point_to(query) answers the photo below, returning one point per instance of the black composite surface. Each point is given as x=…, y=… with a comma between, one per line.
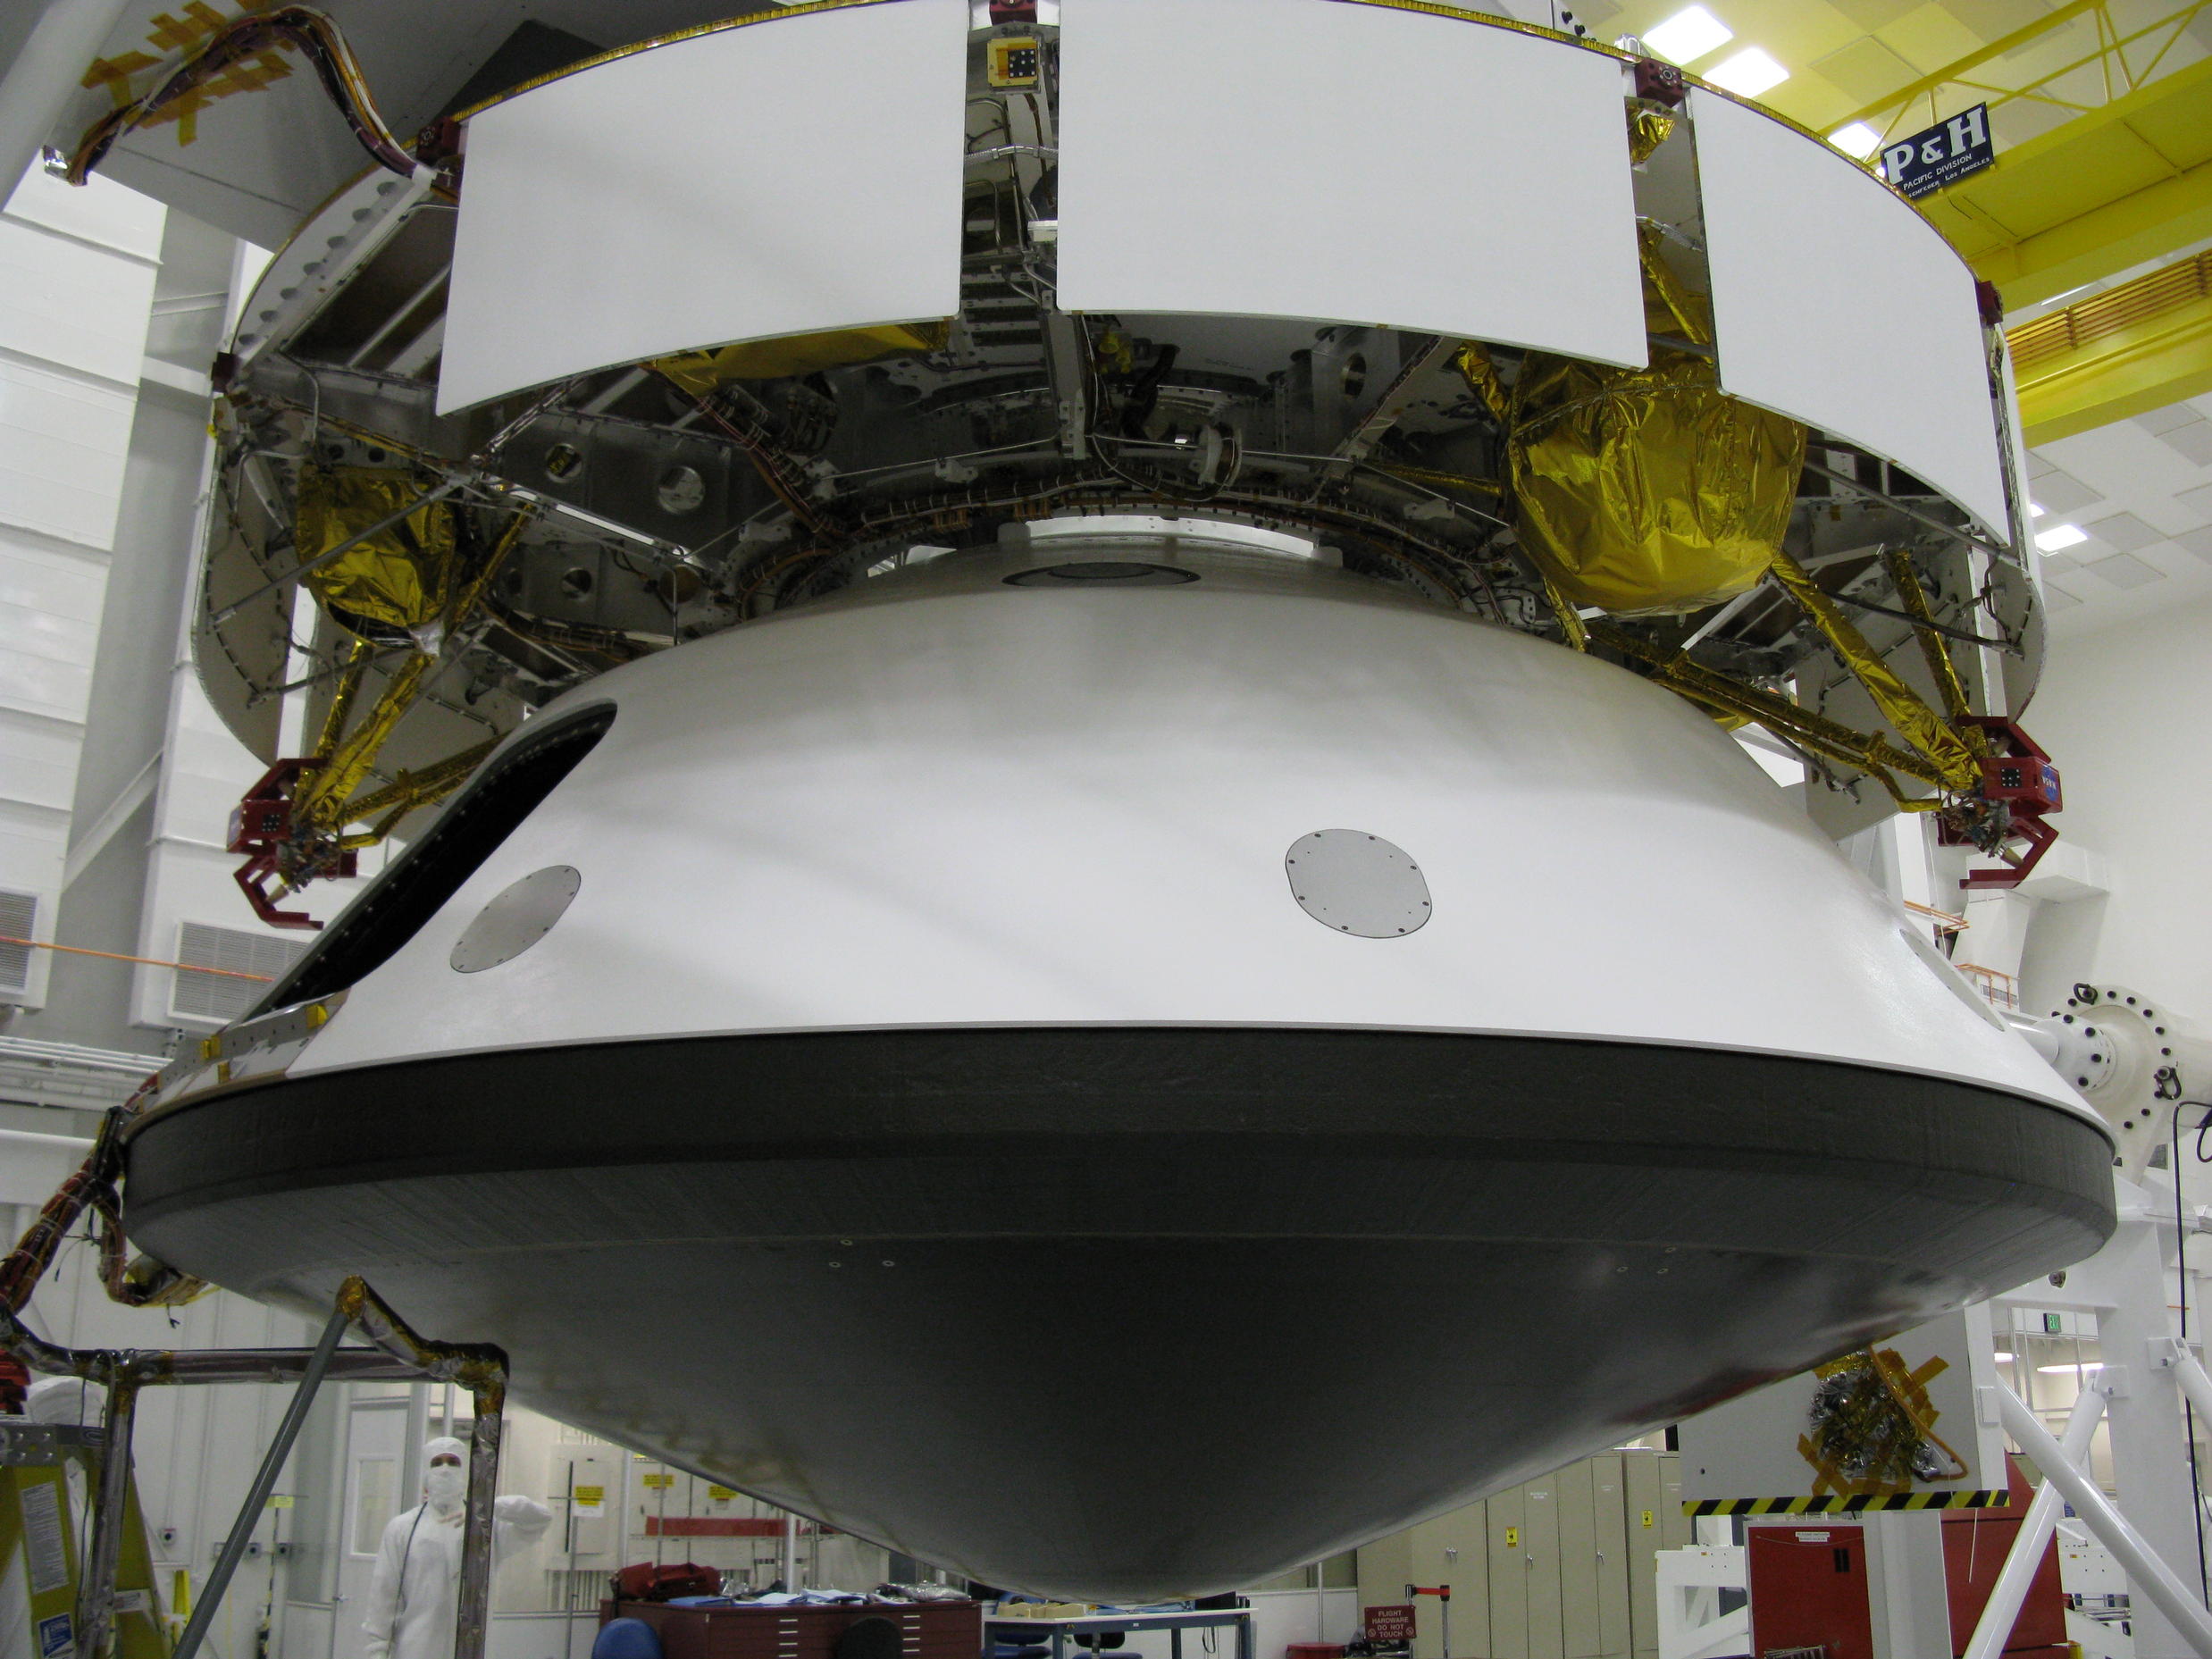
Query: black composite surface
x=1118, y=1311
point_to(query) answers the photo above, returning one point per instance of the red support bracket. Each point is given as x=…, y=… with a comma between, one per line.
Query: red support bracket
x=277, y=850
x=2019, y=788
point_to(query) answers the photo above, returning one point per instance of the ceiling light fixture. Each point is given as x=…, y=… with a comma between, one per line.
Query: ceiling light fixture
x=2035, y=509
x=1690, y=33
x=1748, y=74
x=2061, y=536
x=2061, y=1370
x=1857, y=139
x=2003, y=1358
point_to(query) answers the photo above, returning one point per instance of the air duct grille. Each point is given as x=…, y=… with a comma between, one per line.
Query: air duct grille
x=221, y=995
x=19, y=916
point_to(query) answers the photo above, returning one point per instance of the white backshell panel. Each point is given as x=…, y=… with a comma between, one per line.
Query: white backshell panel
x=1835, y=303
x=787, y=177
x=939, y=799
x=1308, y=158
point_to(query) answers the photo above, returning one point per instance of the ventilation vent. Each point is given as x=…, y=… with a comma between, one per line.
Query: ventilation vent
x=18, y=916
x=222, y=994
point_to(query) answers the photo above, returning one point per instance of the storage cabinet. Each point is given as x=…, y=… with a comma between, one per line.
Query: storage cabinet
x=1559, y=1567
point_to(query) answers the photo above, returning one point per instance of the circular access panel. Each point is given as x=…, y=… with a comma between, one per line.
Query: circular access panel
x=1356, y=883
x=520, y=916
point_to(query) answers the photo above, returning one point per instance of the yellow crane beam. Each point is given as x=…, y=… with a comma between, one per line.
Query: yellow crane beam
x=2112, y=187
x=2124, y=352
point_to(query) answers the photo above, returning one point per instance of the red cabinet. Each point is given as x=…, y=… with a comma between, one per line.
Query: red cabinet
x=927, y=1629
x=1808, y=1589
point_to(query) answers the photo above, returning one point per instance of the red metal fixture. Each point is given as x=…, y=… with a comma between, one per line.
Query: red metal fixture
x=1662, y=83
x=278, y=848
x=2019, y=787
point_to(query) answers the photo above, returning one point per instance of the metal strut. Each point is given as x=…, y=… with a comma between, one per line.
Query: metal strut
x=398, y=1352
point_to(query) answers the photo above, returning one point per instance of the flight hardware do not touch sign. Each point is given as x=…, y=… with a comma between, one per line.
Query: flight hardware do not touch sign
x=1942, y=154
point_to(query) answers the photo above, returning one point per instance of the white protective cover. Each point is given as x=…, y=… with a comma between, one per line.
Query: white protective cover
x=1835, y=303
x=942, y=801
x=788, y=176
x=1308, y=158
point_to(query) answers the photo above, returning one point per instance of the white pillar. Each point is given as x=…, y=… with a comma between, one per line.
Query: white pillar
x=1907, y=1595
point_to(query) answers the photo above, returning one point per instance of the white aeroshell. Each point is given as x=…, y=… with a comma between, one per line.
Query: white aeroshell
x=942, y=801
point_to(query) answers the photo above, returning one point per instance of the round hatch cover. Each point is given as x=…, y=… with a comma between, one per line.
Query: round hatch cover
x=517, y=919
x=1356, y=883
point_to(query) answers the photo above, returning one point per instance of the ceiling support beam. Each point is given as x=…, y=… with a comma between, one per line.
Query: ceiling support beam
x=2112, y=187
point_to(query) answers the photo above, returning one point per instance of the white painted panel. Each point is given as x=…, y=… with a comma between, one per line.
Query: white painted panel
x=102, y=211
x=1311, y=159
x=1836, y=303
x=1093, y=794
x=34, y=847
x=64, y=441
x=69, y=304
x=790, y=176
x=39, y=759
x=49, y=626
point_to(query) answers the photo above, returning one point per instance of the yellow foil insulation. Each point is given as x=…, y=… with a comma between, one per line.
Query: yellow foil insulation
x=1644, y=492
x=698, y=372
x=401, y=577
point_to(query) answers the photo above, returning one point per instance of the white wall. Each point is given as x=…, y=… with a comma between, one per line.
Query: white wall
x=76, y=271
x=110, y=313
x=2127, y=715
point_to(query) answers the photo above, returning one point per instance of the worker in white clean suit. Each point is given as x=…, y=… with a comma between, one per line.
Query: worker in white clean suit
x=415, y=1593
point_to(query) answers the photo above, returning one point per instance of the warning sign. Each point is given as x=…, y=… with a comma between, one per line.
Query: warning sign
x=589, y=1501
x=42, y=1540
x=720, y=1495
x=661, y=1483
x=1390, y=1624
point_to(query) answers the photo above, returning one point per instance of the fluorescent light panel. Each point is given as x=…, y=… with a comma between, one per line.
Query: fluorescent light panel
x=2061, y=1370
x=1748, y=74
x=1858, y=139
x=2061, y=536
x=1690, y=33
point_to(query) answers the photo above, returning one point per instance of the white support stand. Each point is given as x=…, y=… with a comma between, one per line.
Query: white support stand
x=1691, y=1625
x=2152, y=1585
x=2011, y=1590
x=2127, y=1286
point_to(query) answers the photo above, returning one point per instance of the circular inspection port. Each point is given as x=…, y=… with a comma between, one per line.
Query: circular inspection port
x=516, y=918
x=1354, y=883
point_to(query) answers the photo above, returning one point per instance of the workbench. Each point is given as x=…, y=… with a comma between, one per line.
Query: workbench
x=1028, y=1632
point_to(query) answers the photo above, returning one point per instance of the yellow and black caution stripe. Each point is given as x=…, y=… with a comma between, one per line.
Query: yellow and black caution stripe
x=1837, y=1504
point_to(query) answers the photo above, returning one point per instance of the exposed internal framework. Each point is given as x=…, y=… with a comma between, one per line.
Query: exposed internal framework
x=409, y=585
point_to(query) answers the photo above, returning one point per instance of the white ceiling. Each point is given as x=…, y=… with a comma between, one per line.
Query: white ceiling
x=2142, y=490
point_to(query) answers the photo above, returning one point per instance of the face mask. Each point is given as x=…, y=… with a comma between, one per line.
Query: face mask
x=446, y=1485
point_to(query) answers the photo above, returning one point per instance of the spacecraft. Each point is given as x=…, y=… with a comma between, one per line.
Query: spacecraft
x=1060, y=683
